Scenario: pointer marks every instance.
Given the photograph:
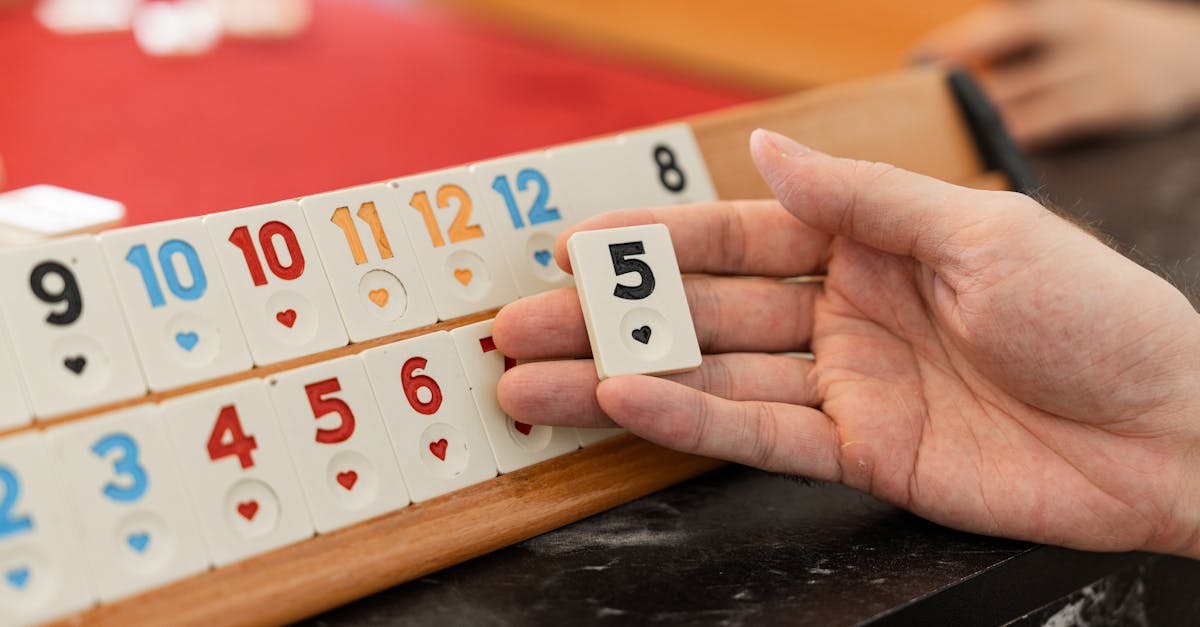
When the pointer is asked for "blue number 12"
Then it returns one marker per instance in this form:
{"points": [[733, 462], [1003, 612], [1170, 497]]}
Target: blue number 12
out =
{"points": [[10, 524], [140, 258], [126, 464], [538, 213]]}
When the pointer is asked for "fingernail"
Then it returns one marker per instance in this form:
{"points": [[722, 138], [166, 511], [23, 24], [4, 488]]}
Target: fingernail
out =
{"points": [[781, 144]]}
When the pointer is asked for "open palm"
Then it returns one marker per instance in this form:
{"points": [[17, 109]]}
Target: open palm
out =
{"points": [[977, 359]]}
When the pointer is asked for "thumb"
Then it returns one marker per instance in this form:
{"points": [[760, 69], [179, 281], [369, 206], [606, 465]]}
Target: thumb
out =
{"points": [[882, 206]]}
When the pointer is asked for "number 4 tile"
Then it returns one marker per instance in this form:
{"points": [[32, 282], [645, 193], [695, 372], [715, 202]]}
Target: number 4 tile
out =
{"points": [[274, 275], [237, 469], [515, 444], [122, 479], [634, 306], [43, 574]]}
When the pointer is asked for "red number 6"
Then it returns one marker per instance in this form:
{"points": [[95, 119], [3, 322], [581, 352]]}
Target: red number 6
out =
{"points": [[413, 383]]}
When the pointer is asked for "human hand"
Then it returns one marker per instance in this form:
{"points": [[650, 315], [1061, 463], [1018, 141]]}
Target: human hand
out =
{"points": [[978, 360], [1058, 69]]}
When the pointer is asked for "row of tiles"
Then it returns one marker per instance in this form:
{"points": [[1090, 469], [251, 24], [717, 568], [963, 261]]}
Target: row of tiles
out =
{"points": [[93, 320], [106, 507]]}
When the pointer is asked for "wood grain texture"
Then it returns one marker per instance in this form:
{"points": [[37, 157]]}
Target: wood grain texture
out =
{"points": [[908, 119], [775, 44]]}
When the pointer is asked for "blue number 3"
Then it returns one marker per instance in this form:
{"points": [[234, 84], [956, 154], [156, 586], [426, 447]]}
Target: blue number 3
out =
{"points": [[127, 465], [10, 524]]}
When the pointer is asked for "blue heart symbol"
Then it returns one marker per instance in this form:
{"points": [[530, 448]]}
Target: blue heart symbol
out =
{"points": [[187, 340], [543, 257], [18, 577], [138, 541]]}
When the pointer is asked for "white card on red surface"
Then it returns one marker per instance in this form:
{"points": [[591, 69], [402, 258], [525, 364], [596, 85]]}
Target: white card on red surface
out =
{"points": [[40, 212], [369, 260], [274, 276], [122, 480], [337, 439], [43, 572], [432, 420], [173, 294], [62, 315], [634, 306], [238, 471], [455, 242], [515, 444]]}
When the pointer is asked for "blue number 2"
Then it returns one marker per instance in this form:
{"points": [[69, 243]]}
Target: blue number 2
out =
{"points": [[538, 213], [127, 464], [9, 523], [140, 258]]}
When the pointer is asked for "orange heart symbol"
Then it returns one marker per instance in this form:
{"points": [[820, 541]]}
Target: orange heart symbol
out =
{"points": [[347, 479], [522, 427], [439, 448], [248, 509], [463, 276], [379, 297], [287, 317]]}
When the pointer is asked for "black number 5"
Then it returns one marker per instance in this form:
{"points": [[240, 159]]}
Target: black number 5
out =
{"points": [[68, 293], [621, 265]]}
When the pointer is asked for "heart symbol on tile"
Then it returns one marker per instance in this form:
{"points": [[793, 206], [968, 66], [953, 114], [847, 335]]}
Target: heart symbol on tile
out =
{"points": [[18, 577], [379, 297], [248, 509], [543, 257], [347, 479], [138, 541], [439, 448], [522, 427], [187, 340], [642, 335], [287, 317], [463, 276], [75, 364]]}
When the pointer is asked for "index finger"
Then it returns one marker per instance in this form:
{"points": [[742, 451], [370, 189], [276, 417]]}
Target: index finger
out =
{"points": [[743, 237]]}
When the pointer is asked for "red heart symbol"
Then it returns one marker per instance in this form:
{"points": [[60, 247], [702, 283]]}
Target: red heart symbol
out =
{"points": [[439, 448], [248, 509], [347, 479], [522, 427], [287, 317]]}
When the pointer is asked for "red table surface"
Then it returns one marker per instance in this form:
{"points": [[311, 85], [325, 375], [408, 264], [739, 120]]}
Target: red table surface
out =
{"points": [[372, 90]]}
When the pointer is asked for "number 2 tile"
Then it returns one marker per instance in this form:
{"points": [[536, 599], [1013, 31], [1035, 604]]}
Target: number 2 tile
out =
{"points": [[122, 480], [338, 442], [174, 296], [66, 326], [515, 444], [274, 275], [369, 261], [430, 416], [238, 470], [455, 242], [43, 574]]}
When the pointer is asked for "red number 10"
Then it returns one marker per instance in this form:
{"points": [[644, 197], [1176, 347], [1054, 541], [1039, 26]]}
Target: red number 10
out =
{"points": [[240, 237]]}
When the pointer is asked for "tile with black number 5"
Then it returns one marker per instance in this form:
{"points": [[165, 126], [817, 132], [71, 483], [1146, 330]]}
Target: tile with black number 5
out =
{"points": [[43, 573], [139, 529], [62, 315], [634, 306], [528, 210], [337, 439], [274, 275], [515, 444], [238, 471], [427, 408], [455, 242], [174, 296], [369, 261]]}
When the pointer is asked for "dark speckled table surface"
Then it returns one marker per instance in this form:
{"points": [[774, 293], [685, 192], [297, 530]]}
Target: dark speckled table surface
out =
{"points": [[740, 546]]}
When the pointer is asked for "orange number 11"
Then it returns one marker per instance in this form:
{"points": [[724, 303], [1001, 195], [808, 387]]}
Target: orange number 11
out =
{"points": [[366, 213]]}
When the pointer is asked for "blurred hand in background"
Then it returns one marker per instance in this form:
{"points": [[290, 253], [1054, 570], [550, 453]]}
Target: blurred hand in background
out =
{"points": [[1060, 69]]}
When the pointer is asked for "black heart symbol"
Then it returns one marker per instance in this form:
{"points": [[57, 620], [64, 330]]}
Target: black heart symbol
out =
{"points": [[642, 335], [75, 364]]}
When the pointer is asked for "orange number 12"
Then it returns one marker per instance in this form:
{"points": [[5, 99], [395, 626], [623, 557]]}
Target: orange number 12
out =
{"points": [[459, 230]]}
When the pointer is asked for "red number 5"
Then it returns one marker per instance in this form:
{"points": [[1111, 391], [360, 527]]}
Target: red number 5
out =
{"points": [[322, 406], [413, 383]]}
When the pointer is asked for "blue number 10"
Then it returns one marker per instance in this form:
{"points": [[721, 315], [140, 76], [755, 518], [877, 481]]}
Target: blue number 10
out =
{"points": [[538, 213], [10, 524], [140, 258], [127, 464]]}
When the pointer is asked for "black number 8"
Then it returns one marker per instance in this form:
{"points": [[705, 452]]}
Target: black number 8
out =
{"points": [[69, 292], [621, 265], [669, 173]]}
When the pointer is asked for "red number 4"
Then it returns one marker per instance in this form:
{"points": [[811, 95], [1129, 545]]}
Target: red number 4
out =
{"points": [[238, 444]]}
